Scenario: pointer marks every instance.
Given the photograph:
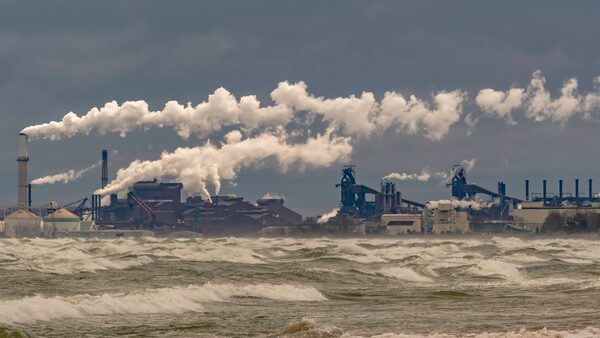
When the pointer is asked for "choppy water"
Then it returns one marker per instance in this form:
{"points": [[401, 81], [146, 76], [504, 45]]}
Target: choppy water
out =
{"points": [[492, 287]]}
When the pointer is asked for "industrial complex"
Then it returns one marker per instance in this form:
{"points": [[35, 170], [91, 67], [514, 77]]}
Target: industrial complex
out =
{"points": [[156, 208]]}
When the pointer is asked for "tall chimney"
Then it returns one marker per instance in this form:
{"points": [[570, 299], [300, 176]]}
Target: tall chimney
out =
{"points": [[544, 191], [527, 190], [590, 192], [22, 159], [560, 189], [104, 179], [576, 188]]}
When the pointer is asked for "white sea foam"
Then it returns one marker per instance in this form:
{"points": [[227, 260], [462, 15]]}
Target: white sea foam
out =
{"points": [[501, 257], [310, 328], [404, 274], [356, 253], [588, 332], [67, 256], [495, 268], [164, 300]]}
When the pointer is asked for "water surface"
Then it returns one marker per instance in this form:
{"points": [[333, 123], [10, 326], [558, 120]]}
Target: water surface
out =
{"points": [[488, 287]]}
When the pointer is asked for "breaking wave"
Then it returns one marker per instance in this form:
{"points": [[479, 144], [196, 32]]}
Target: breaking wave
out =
{"points": [[404, 274], [430, 261], [163, 300], [494, 268]]}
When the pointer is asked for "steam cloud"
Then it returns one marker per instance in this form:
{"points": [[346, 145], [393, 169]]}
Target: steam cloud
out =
{"points": [[353, 116], [195, 167], [462, 204], [66, 177], [271, 196], [221, 109], [325, 217], [425, 174], [537, 102], [468, 164], [500, 104]]}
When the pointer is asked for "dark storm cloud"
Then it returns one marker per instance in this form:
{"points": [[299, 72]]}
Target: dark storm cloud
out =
{"points": [[65, 56]]}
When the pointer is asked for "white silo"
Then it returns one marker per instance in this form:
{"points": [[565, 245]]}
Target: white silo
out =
{"points": [[22, 223], [61, 221]]}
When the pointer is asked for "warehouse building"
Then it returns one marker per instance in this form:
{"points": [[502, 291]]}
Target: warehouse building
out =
{"points": [[444, 219], [401, 224]]}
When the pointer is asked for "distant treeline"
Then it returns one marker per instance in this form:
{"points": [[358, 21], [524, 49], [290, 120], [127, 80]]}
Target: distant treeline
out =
{"points": [[581, 221]]}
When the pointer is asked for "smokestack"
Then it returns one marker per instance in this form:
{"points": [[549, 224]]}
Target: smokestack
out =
{"points": [[576, 188], [104, 178], [501, 188], [590, 193], [560, 189], [29, 194], [527, 190], [22, 159], [544, 190]]}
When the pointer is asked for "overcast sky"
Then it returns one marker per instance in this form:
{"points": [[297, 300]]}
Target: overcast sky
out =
{"points": [[63, 56]]}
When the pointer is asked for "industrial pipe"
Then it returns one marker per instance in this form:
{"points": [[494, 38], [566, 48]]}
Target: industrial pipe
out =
{"points": [[527, 190]]}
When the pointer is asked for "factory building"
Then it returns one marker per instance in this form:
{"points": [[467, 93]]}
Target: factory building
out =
{"points": [[401, 224], [444, 219], [532, 213], [22, 223], [362, 202], [278, 210], [156, 205], [531, 216]]}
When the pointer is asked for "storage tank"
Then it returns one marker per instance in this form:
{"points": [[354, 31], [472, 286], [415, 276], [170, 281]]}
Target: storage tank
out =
{"points": [[22, 223], [61, 220]]}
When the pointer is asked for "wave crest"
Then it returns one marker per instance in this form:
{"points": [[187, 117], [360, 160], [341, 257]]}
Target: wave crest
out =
{"points": [[163, 300]]}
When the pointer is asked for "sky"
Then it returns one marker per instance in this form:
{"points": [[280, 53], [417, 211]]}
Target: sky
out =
{"points": [[70, 56]]}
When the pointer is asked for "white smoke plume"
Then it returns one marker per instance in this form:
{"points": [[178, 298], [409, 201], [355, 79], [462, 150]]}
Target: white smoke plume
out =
{"points": [[414, 115], [360, 116], [352, 114], [271, 196], [461, 204], [468, 164], [423, 176], [327, 216], [537, 102], [500, 104], [195, 167], [541, 106], [66, 177], [592, 100], [221, 109]]}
